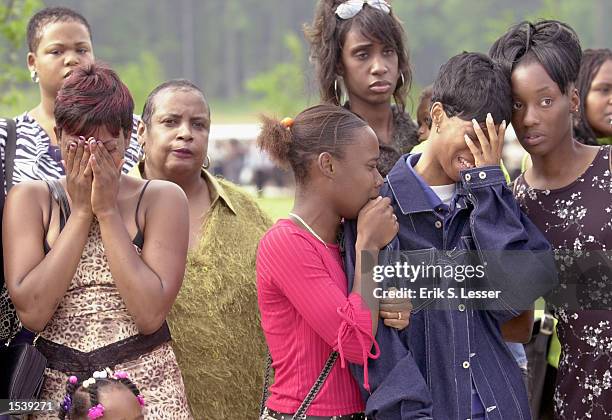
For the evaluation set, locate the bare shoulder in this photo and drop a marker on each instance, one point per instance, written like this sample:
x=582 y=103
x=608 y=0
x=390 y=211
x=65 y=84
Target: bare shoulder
x=29 y=192
x=164 y=194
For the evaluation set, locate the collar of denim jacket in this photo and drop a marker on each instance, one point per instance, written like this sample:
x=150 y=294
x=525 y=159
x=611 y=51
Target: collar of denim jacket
x=410 y=191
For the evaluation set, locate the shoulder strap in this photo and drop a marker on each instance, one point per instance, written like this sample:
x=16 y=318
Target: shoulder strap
x=139 y=238
x=301 y=411
x=9 y=152
x=59 y=195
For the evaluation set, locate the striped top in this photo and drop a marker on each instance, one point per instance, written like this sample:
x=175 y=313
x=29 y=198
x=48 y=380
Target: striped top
x=306 y=312
x=37 y=159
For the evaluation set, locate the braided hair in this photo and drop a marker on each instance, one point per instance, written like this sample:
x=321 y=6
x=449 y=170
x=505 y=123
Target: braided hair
x=79 y=399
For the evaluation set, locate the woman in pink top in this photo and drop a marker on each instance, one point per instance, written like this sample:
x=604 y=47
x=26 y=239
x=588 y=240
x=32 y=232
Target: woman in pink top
x=306 y=310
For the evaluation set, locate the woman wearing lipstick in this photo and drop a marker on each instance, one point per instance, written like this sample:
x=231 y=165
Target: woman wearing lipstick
x=214 y=321
x=95 y=259
x=567 y=194
x=359 y=47
x=594 y=126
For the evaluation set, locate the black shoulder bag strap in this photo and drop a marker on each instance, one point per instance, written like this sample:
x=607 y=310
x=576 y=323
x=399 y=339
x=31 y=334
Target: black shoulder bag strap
x=9 y=152
x=301 y=411
x=59 y=195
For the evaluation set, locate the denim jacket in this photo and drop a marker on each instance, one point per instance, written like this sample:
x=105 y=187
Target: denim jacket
x=460 y=348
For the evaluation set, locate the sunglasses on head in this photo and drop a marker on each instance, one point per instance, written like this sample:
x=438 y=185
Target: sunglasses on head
x=350 y=8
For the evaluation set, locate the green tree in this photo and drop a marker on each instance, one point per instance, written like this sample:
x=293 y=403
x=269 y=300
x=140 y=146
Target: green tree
x=282 y=89
x=141 y=76
x=14 y=15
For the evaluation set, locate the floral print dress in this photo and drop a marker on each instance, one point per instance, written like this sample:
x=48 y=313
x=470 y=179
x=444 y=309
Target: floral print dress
x=577 y=221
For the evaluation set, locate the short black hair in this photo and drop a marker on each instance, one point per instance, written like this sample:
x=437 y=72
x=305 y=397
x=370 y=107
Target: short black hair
x=592 y=60
x=175 y=84
x=470 y=85
x=551 y=43
x=51 y=15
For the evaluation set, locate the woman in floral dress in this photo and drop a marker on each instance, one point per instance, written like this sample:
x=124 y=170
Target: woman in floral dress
x=568 y=195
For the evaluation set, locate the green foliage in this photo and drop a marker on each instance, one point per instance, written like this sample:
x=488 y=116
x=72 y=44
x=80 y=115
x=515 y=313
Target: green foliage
x=473 y=25
x=14 y=15
x=238 y=51
x=275 y=207
x=141 y=76
x=282 y=89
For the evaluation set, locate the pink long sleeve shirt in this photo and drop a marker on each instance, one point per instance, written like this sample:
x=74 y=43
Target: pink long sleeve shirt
x=306 y=313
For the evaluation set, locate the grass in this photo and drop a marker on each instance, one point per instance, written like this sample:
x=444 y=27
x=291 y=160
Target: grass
x=276 y=207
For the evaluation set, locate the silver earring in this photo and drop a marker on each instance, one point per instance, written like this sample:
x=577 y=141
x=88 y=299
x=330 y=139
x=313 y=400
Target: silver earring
x=206 y=164
x=34 y=76
x=336 y=93
x=402 y=77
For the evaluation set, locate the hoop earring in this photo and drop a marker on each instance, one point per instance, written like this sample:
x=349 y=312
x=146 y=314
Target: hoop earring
x=206 y=163
x=34 y=76
x=336 y=93
x=402 y=79
x=143 y=155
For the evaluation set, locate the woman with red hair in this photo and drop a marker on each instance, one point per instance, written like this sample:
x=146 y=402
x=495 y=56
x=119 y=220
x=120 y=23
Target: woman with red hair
x=89 y=260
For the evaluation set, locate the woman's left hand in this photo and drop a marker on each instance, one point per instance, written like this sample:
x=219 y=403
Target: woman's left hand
x=106 y=175
x=395 y=312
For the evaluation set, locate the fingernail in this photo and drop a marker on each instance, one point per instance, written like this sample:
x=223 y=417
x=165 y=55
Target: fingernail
x=474 y=121
x=489 y=117
x=466 y=137
x=503 y=123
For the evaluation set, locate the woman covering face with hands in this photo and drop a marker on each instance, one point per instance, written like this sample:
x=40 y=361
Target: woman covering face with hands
x=90 y=265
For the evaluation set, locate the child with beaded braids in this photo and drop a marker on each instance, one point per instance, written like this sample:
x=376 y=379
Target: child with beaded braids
x=102 y=396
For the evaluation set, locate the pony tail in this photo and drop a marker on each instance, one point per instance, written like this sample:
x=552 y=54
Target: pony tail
x=275 y=138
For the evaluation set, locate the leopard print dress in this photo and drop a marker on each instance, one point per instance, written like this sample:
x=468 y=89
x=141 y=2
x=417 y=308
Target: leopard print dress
x=91 y=315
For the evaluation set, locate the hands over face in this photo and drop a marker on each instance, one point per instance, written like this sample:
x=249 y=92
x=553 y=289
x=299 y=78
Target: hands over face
x=490 y=151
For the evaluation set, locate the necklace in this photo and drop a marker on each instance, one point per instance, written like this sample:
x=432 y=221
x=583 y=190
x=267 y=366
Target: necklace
x=311 y=230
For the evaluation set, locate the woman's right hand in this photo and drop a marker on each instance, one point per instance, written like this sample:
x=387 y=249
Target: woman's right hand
x=376 y=224
x=79 y=177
